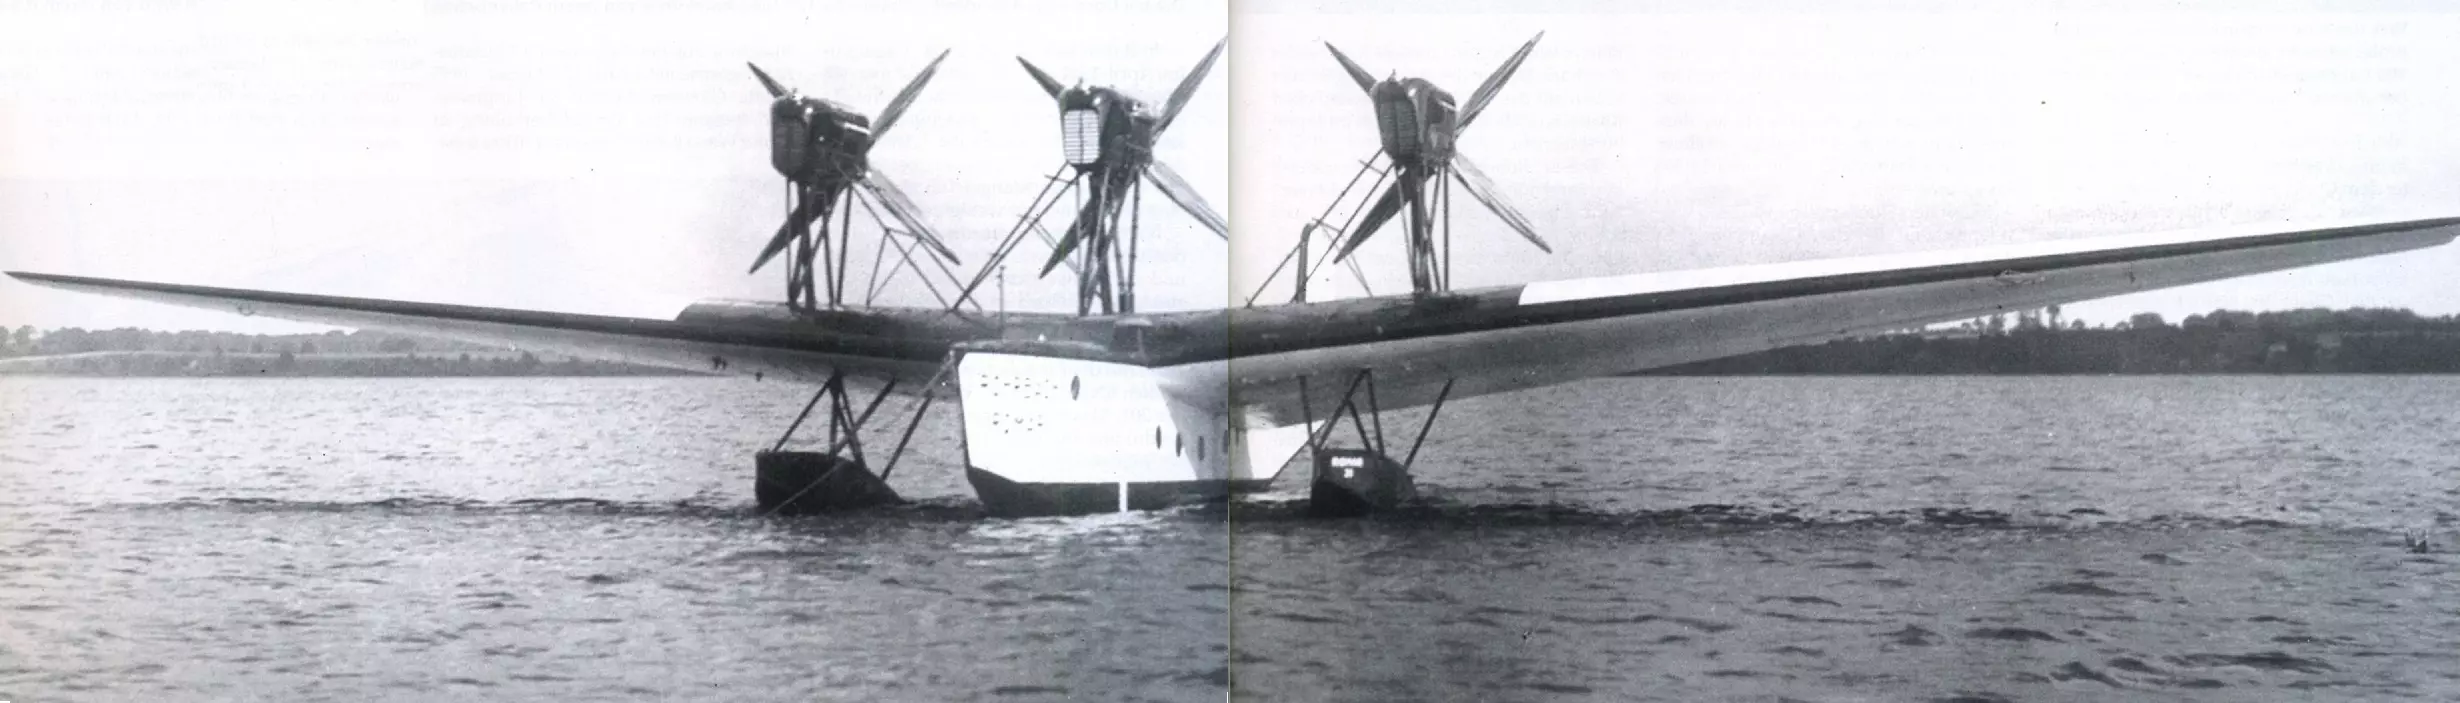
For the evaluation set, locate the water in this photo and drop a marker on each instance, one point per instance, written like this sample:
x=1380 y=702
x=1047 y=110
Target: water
x=2212 y=538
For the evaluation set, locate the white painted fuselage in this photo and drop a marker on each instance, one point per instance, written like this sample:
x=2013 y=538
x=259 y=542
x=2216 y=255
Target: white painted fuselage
x=1053 y=424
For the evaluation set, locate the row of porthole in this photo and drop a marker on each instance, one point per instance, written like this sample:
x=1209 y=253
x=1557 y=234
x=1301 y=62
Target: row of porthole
x=1076 y=389
x=1180 y=443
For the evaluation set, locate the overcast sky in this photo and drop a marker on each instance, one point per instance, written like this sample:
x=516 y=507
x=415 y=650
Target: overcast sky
x=611 y=158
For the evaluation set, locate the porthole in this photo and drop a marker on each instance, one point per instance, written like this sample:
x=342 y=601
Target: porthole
x=1157 y=436
x=1178 y=445
x=1075 y=384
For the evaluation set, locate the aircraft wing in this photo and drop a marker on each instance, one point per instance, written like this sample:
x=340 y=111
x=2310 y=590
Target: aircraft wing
x=714 y=337
x=1272 y=361
x=1539 y=334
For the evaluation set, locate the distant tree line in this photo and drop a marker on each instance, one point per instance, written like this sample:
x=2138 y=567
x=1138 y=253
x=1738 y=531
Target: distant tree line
x=26 y=341
x=2359 y=340
x=131 y=351
x=288 y=364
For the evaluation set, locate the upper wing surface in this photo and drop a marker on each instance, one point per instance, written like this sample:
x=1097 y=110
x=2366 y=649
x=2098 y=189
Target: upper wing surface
x=739 y=344
x=1512 y=338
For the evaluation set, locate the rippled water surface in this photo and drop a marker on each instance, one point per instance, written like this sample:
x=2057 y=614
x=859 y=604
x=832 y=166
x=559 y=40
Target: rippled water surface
x=2209 y=538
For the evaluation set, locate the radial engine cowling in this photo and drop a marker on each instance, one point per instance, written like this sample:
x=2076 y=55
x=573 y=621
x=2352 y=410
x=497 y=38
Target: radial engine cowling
x=1414 y=118
x=1081 y=126
x=790 y=138
x=1080 y=136
x=1101 y=126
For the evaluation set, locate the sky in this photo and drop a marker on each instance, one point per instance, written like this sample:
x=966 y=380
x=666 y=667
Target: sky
x=610 y=157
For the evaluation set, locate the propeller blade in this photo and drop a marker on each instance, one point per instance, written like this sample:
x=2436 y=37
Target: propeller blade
x=1054 y=243
x=1483 y=188
x=1365 y=80
x=1049 y=85
x=1085 y=222
x=1494 y=83
x=1385 y=208
x=776 y=90
x=1187 y=197
x=795 y=223
x=1187 y=87
x=905 y=98
x=894 y=200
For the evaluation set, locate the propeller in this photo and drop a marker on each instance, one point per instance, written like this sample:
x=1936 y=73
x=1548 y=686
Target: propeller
x=1187 y=87
x=894 y=200
x=1049 y=84
x=1161 y=175
x=1385 y=207
x=776 y=89
x=1483 y=188
x=1090 y=217
x=796 y=221
x=1087 y=220
x=1494 y=83
x=1466 y=172
x=1366 y=81
x=812 y=203
x=905 y=98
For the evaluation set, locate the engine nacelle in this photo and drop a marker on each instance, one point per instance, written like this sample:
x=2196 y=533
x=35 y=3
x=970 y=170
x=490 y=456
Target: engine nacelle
x=811 y=139
x=790 y=137
x=1416 y=119
x=1100 y=125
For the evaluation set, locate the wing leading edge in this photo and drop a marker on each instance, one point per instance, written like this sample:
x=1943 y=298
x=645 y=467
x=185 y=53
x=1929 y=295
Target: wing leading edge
x=1514 y=338
x=707 y=338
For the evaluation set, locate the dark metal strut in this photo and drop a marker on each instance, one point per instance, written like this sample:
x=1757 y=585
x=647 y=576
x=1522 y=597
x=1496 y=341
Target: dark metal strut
x=846 y=425
x=1370 y=436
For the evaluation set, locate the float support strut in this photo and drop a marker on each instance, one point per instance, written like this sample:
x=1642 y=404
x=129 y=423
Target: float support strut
x=1351 y=482
x=1412 y=459
x=835 y=479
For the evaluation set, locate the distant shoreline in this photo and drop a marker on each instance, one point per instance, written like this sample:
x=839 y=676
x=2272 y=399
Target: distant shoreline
x=2356 y=341
x=2271 y=344
x=167 y=364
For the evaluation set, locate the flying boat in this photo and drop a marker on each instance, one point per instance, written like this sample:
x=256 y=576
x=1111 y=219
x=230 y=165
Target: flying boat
x=1111 y=408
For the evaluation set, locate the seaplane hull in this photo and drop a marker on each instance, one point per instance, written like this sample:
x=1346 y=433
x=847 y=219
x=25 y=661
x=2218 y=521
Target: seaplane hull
x=1049 y=435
